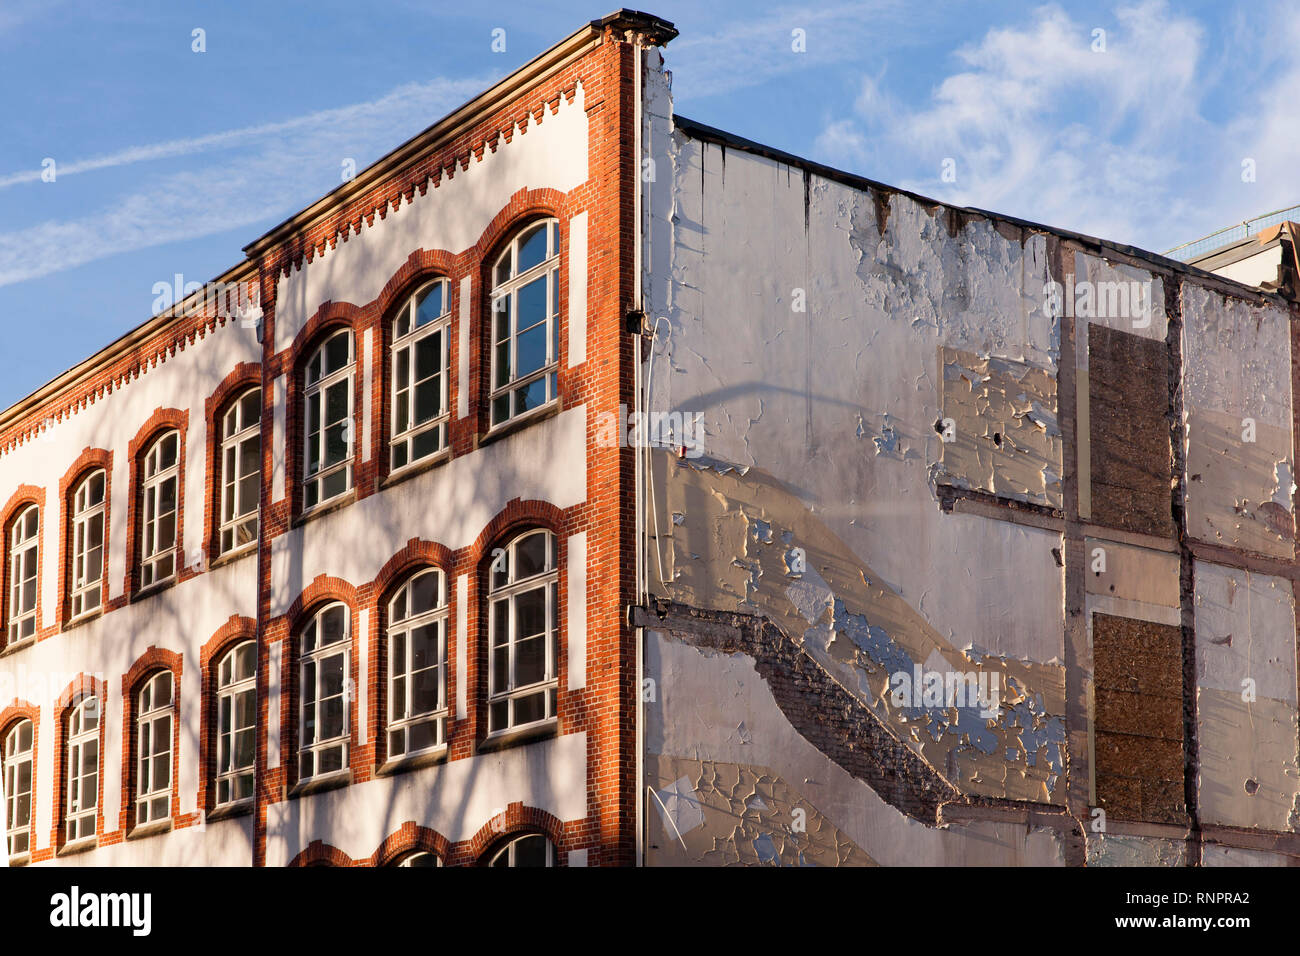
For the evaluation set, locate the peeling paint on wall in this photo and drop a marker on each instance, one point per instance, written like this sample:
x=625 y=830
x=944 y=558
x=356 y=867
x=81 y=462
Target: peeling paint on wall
x=999 y=427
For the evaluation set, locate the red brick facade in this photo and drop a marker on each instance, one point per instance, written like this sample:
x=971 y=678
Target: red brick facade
x=603 y=706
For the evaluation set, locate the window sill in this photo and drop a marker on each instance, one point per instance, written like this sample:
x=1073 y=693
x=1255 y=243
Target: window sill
x=398 y=475
x=227 y=811
x=85 y=617
x=20 y=859
x=517 y=735
x=339 y=778
x=17 y=646
x=230 y=557
x=426 y=758
x=324 y=508
x=150 y=829
x=520 y=422
x=156 y=588
x=84 y=845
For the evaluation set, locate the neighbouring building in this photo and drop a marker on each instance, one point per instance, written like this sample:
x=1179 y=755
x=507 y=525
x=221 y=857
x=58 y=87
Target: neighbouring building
x=583 y=485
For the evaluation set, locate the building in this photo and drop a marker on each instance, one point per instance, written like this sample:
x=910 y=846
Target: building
x=583 y=485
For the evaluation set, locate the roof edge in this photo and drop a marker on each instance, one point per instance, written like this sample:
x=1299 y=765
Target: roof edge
x=546 y=63
x=703 y=131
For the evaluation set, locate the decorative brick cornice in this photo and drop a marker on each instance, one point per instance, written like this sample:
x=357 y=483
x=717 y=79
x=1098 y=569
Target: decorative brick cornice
x=443 y=164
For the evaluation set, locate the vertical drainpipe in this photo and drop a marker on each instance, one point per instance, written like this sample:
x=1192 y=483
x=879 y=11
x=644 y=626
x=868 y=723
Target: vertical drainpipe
x=638 y=238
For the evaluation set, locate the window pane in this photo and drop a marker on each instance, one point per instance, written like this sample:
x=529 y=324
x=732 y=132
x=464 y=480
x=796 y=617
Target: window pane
x=530 y=396
x=424 y=692
x=333 y=624
x=429 y=305
x=428 y=356
x=251 y=408
x=426 y=443
x=530 y=708
x=530 y=661
x=532 y=248
x=532 y=304
x=531 y=351
x=336 y=353
x=425 y=593
x=531 y=556
x=531 y=851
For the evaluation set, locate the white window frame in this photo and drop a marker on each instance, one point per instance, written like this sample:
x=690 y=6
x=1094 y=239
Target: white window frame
x=505 y=857
x=508 y=592
x=231 y=687
x=400 y=697
x=156 y=554
x=236 y=432
x=83 y=731
x=155 y=724
x=24 y=574
x=318 y=747
x=420 y=858
x=316 y=387
x=506 y=387
x=406 y=337
x=87 y=592
x=14 y=758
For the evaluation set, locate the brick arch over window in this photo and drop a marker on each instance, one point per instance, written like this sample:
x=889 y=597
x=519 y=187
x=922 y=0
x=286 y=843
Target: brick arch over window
x=24 y=497
x=517 y=820
x=524 y=206
x=415 y=557
x=153 y=660
x=516 y=518
x=321 y=854
x=323 y=590
x=90 y=459
x=421 y=267
x=80 y=686
x=518 y=515
x=407 y=839
x=162 y=420
x=19 y=710
x=235 y=631
x=242 y=377
x=331 y=317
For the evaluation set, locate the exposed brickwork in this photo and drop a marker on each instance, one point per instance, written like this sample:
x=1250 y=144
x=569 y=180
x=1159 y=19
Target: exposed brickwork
x=825 y=714
x=1138 y=677
x=1128 y=392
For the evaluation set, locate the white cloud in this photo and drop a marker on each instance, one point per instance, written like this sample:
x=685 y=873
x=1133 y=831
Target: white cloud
x=280 y=167
x=1114 y=143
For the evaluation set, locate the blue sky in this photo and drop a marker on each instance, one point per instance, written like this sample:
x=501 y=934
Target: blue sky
x=169 y=161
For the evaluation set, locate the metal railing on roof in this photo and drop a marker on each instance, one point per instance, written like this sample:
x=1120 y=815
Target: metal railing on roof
x=1224 y=237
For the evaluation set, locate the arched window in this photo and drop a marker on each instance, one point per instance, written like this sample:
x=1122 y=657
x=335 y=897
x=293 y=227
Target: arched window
x=236 y=723
x=323 y=727
x=420 y=410
x=419 y=859
x=155 y=718
x=531 y=849
x=17 y=769
x=160 y=495
x=241 y=469
x=24 y=569
x=87 y=534
x=327 y=420
x=522 y=632
x=417 y=672
x=83 y=769
x=526 y=322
